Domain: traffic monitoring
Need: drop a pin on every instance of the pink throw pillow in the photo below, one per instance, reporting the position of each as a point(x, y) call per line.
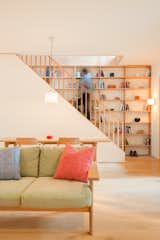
point(74, 164)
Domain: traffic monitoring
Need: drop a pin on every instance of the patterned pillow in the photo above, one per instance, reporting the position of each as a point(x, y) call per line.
point(10, 163)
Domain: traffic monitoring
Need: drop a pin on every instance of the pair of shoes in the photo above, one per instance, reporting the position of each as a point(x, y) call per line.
point(133, 153)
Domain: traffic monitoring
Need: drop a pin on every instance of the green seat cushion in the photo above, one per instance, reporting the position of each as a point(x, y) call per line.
point(29, 160)
point(49, 158)
point(47, 192)
point(11, 190)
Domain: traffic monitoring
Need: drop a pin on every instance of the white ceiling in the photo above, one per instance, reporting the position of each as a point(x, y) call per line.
point(88, 60)
point(83, 27)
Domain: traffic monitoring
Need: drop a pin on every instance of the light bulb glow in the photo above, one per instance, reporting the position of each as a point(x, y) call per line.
point(150, 101)
point(51, 97)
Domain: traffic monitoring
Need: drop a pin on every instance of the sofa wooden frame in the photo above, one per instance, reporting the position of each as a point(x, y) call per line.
point(93, 175)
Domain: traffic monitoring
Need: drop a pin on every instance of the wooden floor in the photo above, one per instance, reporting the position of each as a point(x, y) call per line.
point(132, 167)
point(127, 207)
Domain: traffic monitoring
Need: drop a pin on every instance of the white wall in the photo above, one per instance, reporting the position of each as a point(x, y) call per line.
point(23, 111)
point(84, 27)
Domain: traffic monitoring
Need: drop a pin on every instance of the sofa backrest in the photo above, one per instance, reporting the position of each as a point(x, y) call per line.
point(29, 161)
point(40, 161)
point(49, 158)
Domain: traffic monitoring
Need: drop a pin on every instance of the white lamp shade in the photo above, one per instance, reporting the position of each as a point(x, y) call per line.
point(150, 101)
point(51, 97)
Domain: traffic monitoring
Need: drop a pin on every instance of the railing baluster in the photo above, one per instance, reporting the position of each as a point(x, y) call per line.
point(90, 106)
point(45, 69)
point(77, 93)
point(81, 107)
point(118, 138)
point(40, 64)
point(86, 105)
point(63, 83)
point(122, 136)
point(109, 123)
point(113, 131)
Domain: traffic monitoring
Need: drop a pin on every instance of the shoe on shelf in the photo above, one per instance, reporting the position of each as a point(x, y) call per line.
point(135, 154)
point(131, 153)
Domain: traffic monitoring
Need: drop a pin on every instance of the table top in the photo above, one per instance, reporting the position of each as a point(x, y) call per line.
point(55, 140)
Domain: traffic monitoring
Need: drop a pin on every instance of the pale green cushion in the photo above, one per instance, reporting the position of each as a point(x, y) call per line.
point(29, 161)
point(11, 190)
point(47, 192)
point(49, 158)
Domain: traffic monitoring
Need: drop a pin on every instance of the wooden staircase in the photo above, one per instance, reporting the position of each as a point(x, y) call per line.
point(68, 87)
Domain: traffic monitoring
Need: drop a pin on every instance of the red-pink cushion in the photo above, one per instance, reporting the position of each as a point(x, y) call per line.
point(74, 164)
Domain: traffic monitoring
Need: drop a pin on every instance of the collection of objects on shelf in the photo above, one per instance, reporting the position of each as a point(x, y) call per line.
point(105, 80)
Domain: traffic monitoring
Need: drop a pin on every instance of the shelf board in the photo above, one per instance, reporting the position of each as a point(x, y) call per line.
point(74, 77)
point(108, 78)
point(120, 100)
point(137, 134)
point(137, 145)
point(138, 66)
point(136, 123)
point(129, 111)
point(119, 89)
point(136, 77)
point(129, 135)
point(59, 78)
point(141, 100)
point(94, 66)
point(129, 123)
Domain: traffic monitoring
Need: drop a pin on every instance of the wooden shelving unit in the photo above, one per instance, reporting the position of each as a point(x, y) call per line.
point(130, 82)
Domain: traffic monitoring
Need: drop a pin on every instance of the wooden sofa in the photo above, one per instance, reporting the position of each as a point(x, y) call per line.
point(93, 175)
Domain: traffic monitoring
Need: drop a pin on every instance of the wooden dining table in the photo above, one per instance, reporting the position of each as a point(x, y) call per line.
point(44, 141)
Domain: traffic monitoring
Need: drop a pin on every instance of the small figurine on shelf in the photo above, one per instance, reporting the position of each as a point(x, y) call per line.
point(120, 130)
point(78, 74)
point(147, 141)
point(103, 97)
point(111, 74)
point(128, 130)
point(137, 119)
point(124, 107)
point(117, 98)
point(127, 84)
point(111, 86)
point(148, 73)
point(101, 84)
point(137, 97)
point(126, 142)
point(122, 85)
point(100, 73)
point(47, 72)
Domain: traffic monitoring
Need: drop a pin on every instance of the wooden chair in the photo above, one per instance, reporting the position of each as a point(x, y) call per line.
point(26, 141)
point(65, 140)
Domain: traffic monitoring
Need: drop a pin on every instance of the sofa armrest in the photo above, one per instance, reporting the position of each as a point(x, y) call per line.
point(93, 173)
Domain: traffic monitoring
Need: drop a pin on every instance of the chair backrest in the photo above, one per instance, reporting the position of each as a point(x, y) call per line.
point(26, 141)
point(65, 140)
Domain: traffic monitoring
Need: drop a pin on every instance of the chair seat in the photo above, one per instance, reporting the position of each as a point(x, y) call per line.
point(11, 191)
point(47, 192)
